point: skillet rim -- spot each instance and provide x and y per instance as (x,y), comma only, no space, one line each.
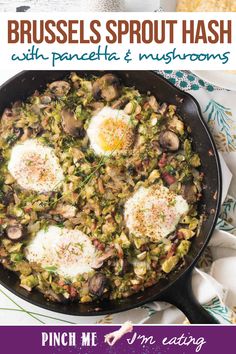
(137,303)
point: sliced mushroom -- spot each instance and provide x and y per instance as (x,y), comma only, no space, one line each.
(106,87)
(65,210)
(45,99)
(120,103)
(97,284)
(163,108)
(71,125)
(52,296)
(153,103)
(15,232)
(129,108)
(98,263)
(59,88)
(189,192)
(169,140)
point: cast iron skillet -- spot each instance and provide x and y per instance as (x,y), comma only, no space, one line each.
(177,288)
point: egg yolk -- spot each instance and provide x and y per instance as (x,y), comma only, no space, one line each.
(115,135)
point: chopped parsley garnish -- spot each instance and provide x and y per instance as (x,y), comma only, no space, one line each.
(51,269)
(170,169)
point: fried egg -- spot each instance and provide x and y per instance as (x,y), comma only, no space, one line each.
(154,212)
(67,252)
(35,167)
(110,131)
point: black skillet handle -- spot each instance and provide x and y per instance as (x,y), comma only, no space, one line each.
(181,295)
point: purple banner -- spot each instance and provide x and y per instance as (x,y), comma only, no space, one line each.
(109,339)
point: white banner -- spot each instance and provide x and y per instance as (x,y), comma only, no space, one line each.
(125,41)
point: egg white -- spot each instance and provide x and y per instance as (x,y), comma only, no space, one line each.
(154,212)
(35,166)
(70,251)
(98,136)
